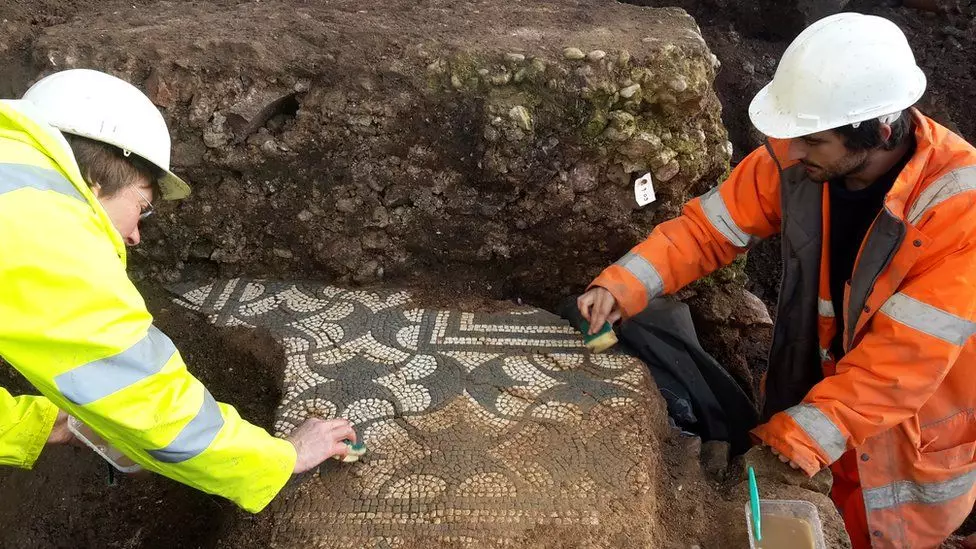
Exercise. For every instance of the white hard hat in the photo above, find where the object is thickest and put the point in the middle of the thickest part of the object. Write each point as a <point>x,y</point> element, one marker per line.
<point>843,69</point>
<point>102,107</point>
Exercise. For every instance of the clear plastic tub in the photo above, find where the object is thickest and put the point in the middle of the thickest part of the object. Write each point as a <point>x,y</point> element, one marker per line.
<point>783,516</point>
<point>101,447</point>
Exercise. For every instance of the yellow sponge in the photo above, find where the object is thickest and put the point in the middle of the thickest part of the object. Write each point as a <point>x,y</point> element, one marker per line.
<point>356,451</point>
<point>600,341</point>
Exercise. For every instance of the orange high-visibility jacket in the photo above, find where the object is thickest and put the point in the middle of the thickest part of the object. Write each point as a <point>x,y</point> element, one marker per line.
<point>903,397</point>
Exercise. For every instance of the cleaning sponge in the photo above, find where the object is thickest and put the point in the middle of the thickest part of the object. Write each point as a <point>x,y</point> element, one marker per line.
<point>356,451</point>
<point>596,343</point>
<point>600,341</point>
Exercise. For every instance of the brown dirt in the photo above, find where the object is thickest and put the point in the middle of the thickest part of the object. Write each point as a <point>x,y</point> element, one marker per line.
<point>68,497</point>
<point>322,145</point>
<point>65,500</point>
<point>739,344</point>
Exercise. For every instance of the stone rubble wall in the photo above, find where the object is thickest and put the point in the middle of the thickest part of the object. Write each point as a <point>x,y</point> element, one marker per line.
<point>487,146</point>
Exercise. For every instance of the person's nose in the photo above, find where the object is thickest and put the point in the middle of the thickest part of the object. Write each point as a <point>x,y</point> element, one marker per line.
<point>797,150</point>
<point>134,238</point>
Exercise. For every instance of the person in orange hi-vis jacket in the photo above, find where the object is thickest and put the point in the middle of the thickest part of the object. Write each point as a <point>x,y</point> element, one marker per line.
<point>872,369</point>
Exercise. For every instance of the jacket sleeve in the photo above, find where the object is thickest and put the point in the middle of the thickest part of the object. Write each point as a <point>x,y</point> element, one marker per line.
<point>908,349</point>
<point>77,328</point>
<point>711,231</point>
<point>25,424</point>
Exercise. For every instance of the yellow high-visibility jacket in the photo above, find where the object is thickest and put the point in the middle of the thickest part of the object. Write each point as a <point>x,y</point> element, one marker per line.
<point>74,325</point>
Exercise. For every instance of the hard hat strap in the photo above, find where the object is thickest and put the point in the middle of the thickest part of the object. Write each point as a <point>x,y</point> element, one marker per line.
<point>889,118</point>
<point>884,119</point>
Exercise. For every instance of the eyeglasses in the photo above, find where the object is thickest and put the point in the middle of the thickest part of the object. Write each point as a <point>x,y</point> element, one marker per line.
<point>149,207</point>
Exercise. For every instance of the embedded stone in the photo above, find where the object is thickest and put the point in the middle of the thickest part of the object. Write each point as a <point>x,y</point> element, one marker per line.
<point>522,117</point>
<point>642,145</point>
<point>629,91</point>
<point>668,171</point>
<point>158,91</point>
<point>573,54</point>
<point>678,85</point>
<point>501,79</point>
<point>596,55</point>
<point>623,58</point>
<point>331,142</point>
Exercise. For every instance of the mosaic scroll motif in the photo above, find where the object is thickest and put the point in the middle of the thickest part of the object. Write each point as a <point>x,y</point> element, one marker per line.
<point>472,420</point>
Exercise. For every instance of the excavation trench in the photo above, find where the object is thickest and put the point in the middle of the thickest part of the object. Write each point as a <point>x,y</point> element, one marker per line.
<point>480,155</point>
<point>476,157</point>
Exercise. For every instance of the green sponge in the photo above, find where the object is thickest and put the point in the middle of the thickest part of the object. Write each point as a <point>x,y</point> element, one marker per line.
<point>356,451</point>
<point>600,341</point>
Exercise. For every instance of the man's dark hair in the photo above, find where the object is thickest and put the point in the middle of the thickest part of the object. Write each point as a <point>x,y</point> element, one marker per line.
<point>867,134</point>
<point>108,167</point>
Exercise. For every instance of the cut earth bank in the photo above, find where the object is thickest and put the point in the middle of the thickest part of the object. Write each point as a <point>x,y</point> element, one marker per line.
<point>460,150</point>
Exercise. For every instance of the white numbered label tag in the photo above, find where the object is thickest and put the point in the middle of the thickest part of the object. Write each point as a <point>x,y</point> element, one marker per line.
<point>644,190</point>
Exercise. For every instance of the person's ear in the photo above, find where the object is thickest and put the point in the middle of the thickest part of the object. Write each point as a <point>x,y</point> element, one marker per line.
<point>885,131</point>
<point>96,189</point>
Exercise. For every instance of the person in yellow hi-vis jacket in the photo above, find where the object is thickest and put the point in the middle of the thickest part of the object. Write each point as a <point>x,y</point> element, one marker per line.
<point>82,157</point>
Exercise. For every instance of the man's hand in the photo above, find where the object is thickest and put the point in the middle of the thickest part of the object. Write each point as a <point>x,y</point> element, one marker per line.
<point>769,466</point>
<point>317,440</point>
<point>783,458</point>
<point>598,306</point>
<point>60,433</point>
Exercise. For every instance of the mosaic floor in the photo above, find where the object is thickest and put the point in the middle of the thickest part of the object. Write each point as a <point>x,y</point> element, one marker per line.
<point>480,427</point>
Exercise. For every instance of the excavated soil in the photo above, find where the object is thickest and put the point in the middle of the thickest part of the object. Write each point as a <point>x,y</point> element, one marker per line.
<point>65,501</point>
<point>453,145</point>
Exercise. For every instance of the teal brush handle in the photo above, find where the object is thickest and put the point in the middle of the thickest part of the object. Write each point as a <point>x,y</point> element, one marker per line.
<point>754,503</point>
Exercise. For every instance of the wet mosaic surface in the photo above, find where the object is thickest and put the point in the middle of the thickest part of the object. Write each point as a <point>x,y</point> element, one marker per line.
<point>480,426</point>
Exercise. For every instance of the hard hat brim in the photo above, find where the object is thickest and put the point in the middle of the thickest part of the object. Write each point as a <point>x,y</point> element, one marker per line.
<point>771,120</point>
<point>172,187</point>
<point>775,121</point>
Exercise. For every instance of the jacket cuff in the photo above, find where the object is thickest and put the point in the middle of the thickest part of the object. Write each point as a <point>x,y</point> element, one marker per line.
<point>274,478</point>
<point>787,438</point>
<point>625,289</point>
<point>44,413</point>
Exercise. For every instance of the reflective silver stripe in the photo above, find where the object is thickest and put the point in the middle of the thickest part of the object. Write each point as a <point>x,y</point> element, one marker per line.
<point>196,436</point>
<point>21,176</point>
<point>906,491</point>
<point>825,308</point>
<point>96,380</point>
<point>946,187</point>
<point>645,272</point>
<point>928,319</point>
<point>720,218</point>
<point>820,429</point>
